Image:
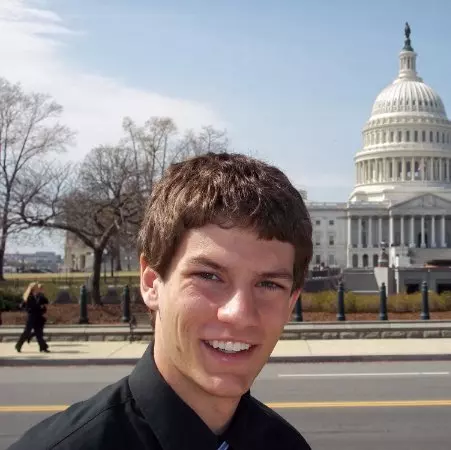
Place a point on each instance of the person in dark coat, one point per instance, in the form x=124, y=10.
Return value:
x=35, y=317
x=42, y=301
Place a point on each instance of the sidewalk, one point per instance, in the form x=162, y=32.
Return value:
x=115, y=353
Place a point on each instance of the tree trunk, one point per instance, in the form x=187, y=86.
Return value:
x=2, y=259
x=97, y=269
x=117, y=254
x=112, y=258
x=4, y=236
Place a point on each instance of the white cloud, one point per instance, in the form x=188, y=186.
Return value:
x=31, y=52
x=32, y=42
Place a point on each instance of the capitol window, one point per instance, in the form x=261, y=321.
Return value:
x=392, y=136
x=399, y=136
x=423, y=136
x=407, y=136
x=317, y=238
x=415, y=136
x=431, y=136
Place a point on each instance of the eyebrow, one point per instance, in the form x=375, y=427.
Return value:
x=280, y=274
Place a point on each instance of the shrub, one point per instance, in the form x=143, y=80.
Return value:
x=10, y=299
x=326, y=301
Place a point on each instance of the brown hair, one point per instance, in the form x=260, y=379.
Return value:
x=229, y=190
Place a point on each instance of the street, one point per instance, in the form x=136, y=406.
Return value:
x=354, y=406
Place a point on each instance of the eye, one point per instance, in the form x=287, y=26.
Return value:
x=207, y=276
x=271, y=285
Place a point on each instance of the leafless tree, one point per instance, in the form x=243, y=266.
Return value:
x=29, y=134
x=92, y=205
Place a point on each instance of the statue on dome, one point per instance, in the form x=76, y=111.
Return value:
x=407, y=30
x=407, y=44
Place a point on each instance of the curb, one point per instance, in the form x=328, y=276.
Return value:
x=13, y=362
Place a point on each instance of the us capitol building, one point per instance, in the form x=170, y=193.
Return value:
x=402, y=193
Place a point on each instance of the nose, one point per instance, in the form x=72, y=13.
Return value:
x=239, y=310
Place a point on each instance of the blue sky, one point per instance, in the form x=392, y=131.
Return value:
x=292, y=81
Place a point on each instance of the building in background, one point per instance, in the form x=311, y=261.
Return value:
x=402, y=192
x=33, y=262
x=80, y=258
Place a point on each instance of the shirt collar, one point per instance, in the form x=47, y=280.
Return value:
x=174, y=423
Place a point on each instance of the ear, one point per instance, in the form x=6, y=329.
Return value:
x=149, y=280
x=293, y=299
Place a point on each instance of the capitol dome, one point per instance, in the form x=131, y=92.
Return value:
x=408, y=96
x=406, y=141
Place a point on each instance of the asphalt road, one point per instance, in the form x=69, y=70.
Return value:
x=400, y=406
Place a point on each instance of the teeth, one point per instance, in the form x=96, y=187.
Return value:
x=229, y=346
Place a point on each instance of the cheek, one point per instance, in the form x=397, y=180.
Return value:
x=190, y=306
x=274, y=311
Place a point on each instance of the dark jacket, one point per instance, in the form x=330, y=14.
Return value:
x=142, y=412
x=35, y=308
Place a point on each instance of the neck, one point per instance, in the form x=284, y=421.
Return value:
x=216, y=412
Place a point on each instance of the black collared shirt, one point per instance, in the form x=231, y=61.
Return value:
x=142, y=412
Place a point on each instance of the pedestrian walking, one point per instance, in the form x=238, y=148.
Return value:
x=32, y=298
x=225, y=244
x=42, y=302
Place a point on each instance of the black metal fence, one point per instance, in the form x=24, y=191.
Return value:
x=383, y=311
x=297, y=313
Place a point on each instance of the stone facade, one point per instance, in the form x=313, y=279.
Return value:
x=79, y=258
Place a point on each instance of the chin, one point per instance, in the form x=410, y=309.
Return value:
x=227, y=385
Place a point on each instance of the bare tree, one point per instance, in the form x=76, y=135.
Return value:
x=29, y=132
x=93, y=205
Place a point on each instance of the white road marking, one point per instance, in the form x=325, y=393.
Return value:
x=361, y=374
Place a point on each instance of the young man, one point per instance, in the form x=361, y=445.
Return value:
x=224, y=244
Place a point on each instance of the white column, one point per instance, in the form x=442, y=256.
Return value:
x=422, y=170
x=403, y=169
x=393, y=169
x=447, y=170
x=385, y=169
x=380, y=230
x=431, y=169
x=359, y=239
x=443, y=233
x=349, y=246
x=412, y=169
x=412, y=230
x=349, y=231
x=402, y=231
x=370, y=232
x=433, y=244
x=392, y=230
x=423, y=243
x=441, y=168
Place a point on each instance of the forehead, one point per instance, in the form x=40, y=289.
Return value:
x=235, y=245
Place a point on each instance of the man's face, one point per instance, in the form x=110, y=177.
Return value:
x=222, y=307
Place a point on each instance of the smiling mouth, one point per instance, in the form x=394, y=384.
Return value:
x=229, y=346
